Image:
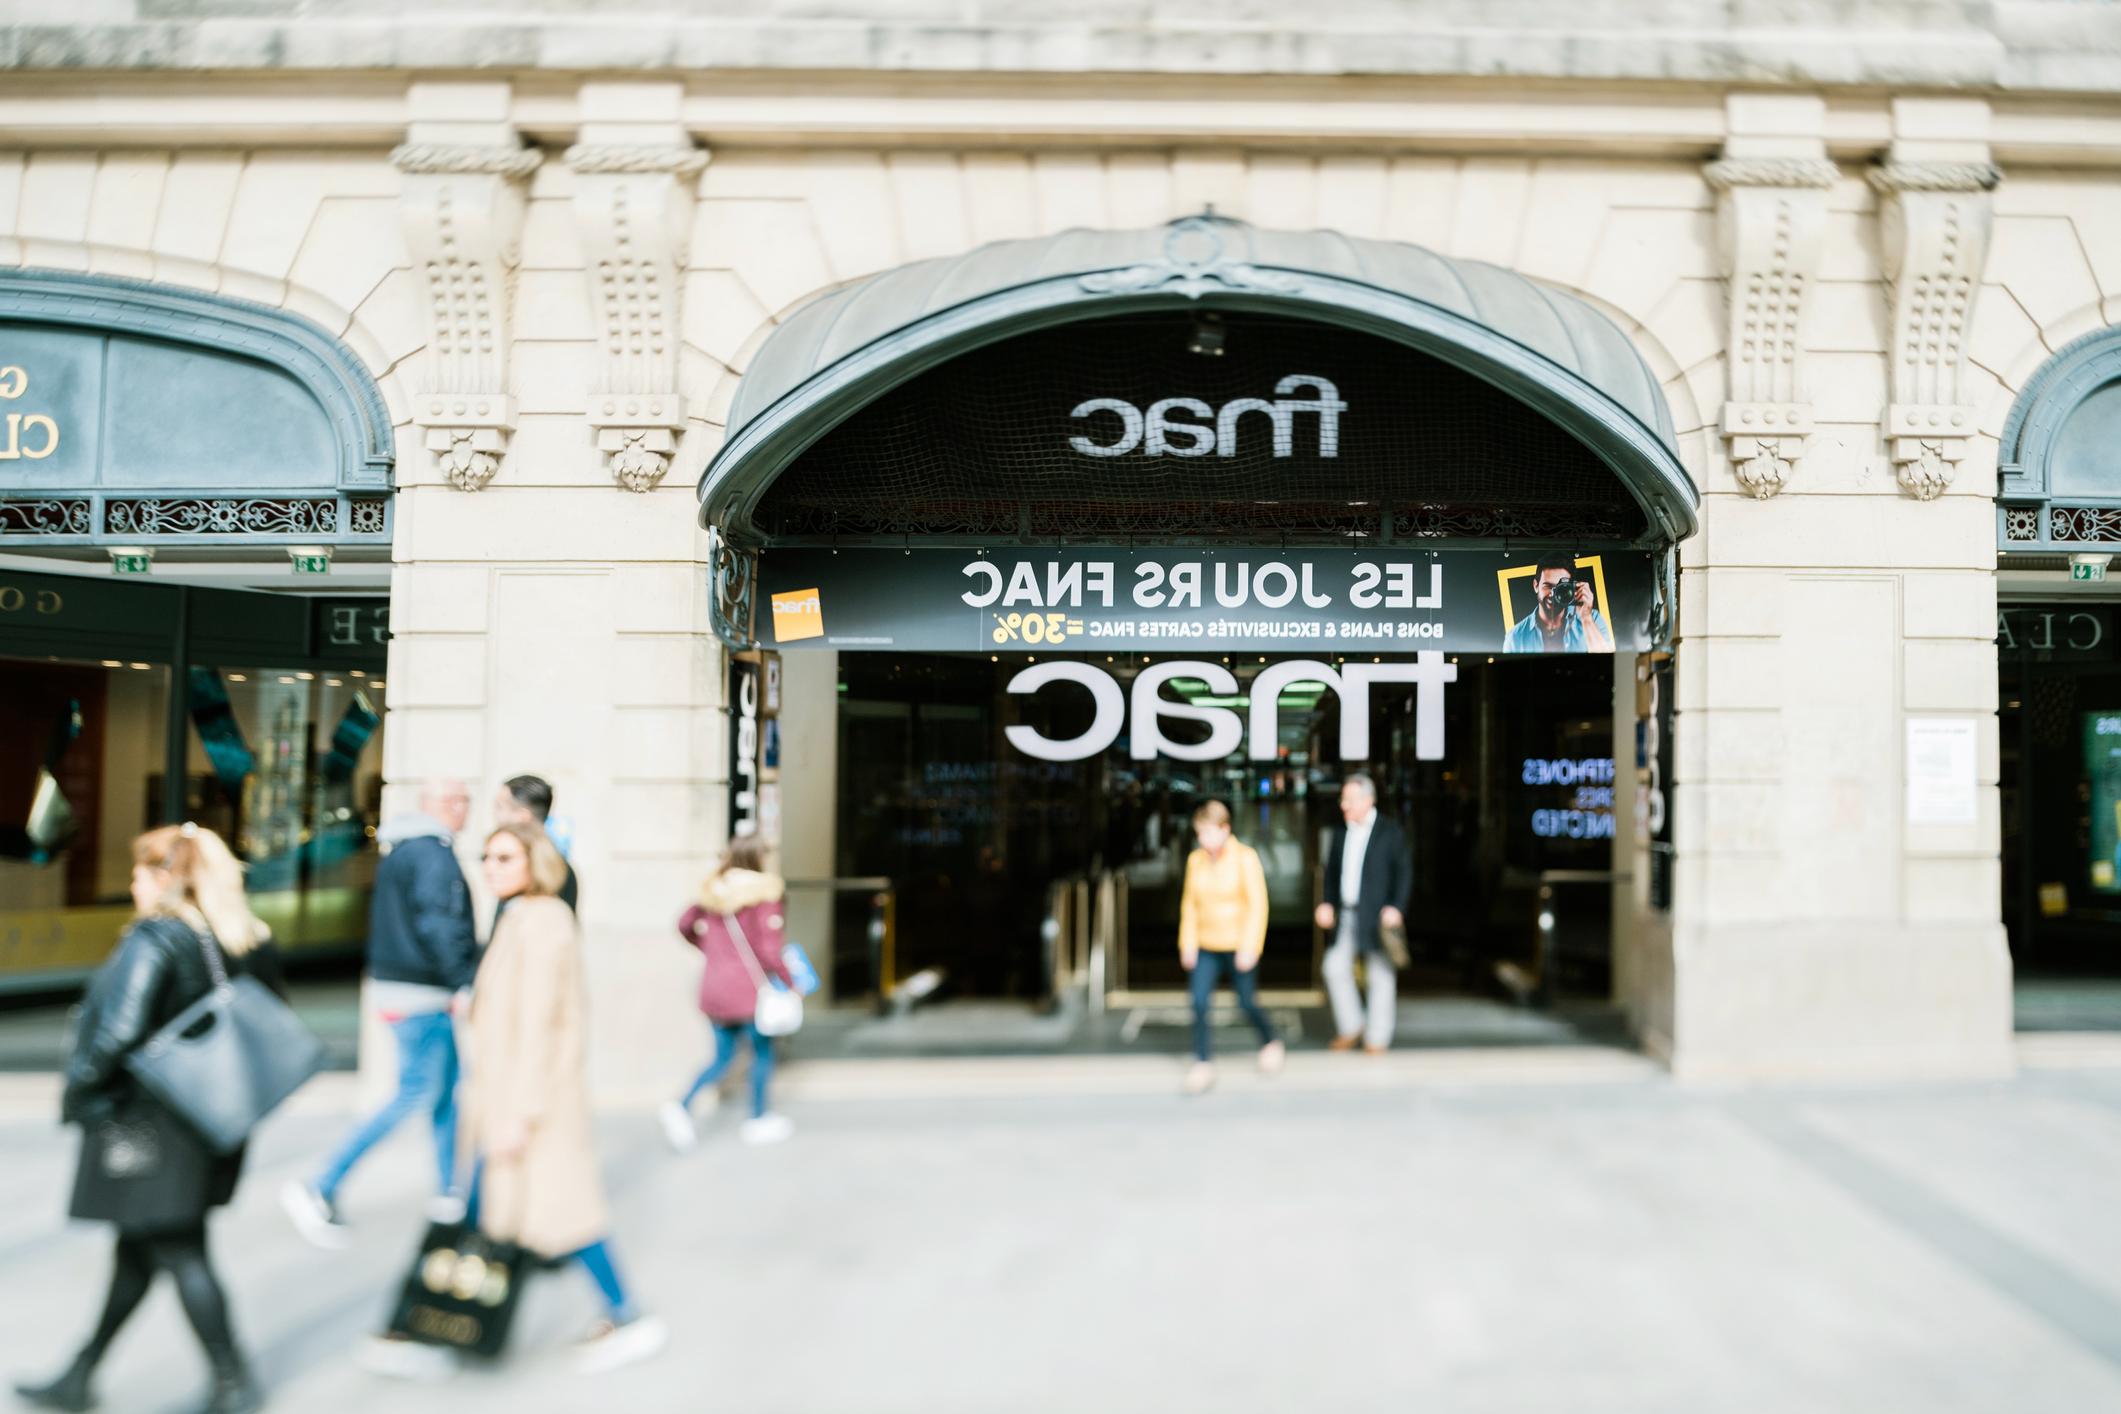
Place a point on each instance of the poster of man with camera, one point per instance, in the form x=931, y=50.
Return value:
x=1565, y=617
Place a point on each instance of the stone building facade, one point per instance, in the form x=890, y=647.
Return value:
x=555, y=239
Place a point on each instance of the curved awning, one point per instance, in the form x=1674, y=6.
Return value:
x=1550, y=351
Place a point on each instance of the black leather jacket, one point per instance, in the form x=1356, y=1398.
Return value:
x=157, y=970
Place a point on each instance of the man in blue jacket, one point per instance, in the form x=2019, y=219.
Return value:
x=422, y=951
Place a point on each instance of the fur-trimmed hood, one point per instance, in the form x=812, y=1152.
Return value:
x=733, y=890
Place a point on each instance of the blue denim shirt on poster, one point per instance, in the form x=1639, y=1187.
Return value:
x=1527, y=637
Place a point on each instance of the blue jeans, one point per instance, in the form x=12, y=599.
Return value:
x=1207, y=973
x=427, y=1080
x=596, y=1258
x=725, y=1039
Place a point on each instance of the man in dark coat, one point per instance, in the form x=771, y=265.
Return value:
x=1369, y=883
x=422, y=951
x=527, y=800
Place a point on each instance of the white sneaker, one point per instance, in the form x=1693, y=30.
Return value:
x=403, y=1359
x=313, y=1217
x=766, y=1129
x=1271, y=1057
x=445, y=1208
x=678, y=1130
x=607, y=1346
x=1200, y=1077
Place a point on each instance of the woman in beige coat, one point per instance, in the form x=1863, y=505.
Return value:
x=525, y=1113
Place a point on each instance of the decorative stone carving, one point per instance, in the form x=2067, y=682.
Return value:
x=625, y=158
x=462, y=210
x=1813, y=173
x=442, y=159
x=1195, y=262
x=468, y=453
x=634, y=206
x=1934, y=222
x=1770, y=213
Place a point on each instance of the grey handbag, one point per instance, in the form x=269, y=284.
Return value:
x=225, y=1061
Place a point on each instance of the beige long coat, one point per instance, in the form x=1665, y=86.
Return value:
x=525, y=1064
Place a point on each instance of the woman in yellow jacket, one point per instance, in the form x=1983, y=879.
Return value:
x=1222, y=922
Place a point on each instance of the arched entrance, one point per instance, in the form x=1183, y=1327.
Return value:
x=1105, y=523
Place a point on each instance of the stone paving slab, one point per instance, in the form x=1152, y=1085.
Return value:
x=1601, y=1242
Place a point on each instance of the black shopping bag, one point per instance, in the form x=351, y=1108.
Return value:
x=462, y=1290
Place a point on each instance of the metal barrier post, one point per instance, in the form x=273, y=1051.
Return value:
x=1054, y=938
x=1547, y=952
x=1100, y=946
x=1079, y=920
x=884, y=922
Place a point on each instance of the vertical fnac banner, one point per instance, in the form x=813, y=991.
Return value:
x=754, y=700
x=1654, y=682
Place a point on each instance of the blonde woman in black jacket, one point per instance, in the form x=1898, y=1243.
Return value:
x=143, y=1169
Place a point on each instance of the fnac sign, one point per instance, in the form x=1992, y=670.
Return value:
x=1161, y=432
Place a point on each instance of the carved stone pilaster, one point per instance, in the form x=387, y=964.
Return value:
x=1934, y=220
x=634, y=205
x=462, y=211
x=1770, y=213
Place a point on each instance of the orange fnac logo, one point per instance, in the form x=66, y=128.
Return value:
x=797, y=614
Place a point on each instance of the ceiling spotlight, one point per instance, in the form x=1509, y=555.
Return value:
x=1208, y=335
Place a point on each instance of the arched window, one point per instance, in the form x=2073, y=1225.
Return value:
x=136, y=413
x=2059, y=468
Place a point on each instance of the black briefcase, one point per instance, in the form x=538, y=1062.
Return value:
x=462, y=1290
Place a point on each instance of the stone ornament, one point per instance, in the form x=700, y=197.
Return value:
x=462, y=212
x=1770, y=216
x=607, y=158
x=1935, y=176
x=469, y=438
x=634, y=207
x=1935, y=219
x=455, y=160
x=1195, y=261
x=1802, y=173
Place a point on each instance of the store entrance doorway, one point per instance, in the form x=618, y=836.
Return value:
x=973, y=831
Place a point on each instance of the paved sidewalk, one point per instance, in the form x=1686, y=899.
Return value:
x=1560, y=1230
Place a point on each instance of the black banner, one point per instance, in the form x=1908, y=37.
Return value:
x=1090, y=600
x=744, y=685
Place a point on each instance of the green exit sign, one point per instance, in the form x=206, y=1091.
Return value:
x=2088, y=570
x=312, y=564
x=130, y=564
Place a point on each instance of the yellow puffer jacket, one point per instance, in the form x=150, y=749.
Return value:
x=1224, y=905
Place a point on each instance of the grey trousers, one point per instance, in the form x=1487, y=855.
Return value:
x=1348, y=1014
